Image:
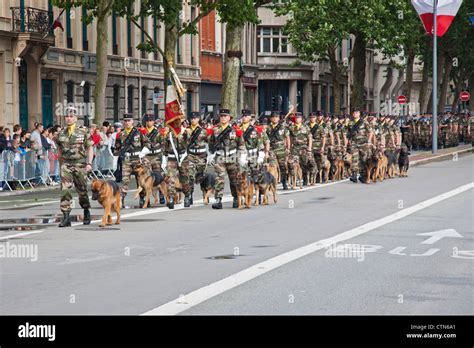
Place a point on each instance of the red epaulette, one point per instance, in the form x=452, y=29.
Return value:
x=143, y=131
x=210, y=131
x=238, y=131
x=259, y=129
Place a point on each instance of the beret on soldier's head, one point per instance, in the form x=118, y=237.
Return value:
x=70, y=110
x=246, y=112
x=275, y=113
x=299, y=114
x=195, y=114
x=312, y=114
x=224, y=112
x=127, y=117
x=149, y=117
x=355, y=109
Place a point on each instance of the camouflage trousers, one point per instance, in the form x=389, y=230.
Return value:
x=154, y=164
x=360, y=154
x=176, y=172
x=280, y=156
x=127, y=166
x=73, y=174
x=232, y=170
x=196, y=166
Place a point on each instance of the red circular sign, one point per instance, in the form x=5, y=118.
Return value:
x=402, y=99
x=464, y=96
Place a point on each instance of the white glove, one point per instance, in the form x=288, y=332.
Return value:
x=261, y=157
x=243, y=159
x=210, y=158
x=164, y=163
x=145, y=151
x=182, y=158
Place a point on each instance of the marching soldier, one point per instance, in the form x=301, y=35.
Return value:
x=280, y=144
x=360, y=135
x=226, y=144
x=74, y=146
x=320, y=135
x=340, y=137
x=157, y=138
x=197, y=154
x=253, y=144
x=132, y=145
x=302, y=144
x=175, y=153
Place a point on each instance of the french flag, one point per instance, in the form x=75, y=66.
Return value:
x=173, y=111
x=446, y=11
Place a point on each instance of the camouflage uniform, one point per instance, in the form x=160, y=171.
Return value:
x=318, y=131
x=195, y=161
x=72, y=171
x=254, y=145
x=157, y=140
x=227, y=152
x=177, y=166
x=128, y=144
x=425, y=137
x=301, y=137
x=339, y=132
x=277, y=135
x=359, y=137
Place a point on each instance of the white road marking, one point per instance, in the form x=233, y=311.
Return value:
x=21, y=234
x=430, y=252
x=205, y=293
x=438, y=235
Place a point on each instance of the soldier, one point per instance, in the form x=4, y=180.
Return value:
x=280, y=144
x=226, y=144
x=175, y=153
x=302, y=145
x=340, y=137
x=74, y=146
x=197, y=154
x=320, y=135
x=253, y=144
x=132, y=145
x=157, y=138
x=360, y=136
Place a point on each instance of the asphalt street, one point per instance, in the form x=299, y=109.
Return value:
x=157, y=256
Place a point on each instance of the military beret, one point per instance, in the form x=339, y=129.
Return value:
x=275, y=113
x=195, y=114
x=224, y=112
x=342, y=117
x=312, y=114
x=149, y=117
x=299, y=114
x=127, y=117
x=246, y=112
x=355, y=109
x=70, y=110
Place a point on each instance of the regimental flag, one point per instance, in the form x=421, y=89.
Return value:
x=173, y=111
x=446, y=11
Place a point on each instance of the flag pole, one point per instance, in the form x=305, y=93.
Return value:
x=434, y=130
x=52, y=23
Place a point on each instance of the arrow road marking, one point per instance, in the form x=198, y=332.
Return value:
x=397, y=251
x=438, y=235
x=430, y=252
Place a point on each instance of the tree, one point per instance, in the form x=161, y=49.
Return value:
x=100, y=10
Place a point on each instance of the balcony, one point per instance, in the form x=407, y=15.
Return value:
x=31, y=20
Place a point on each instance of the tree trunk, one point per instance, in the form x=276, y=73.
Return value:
x=359, y=51
x=444, y=85
x=409, y=77
x=441, y=63
x=424, y=86
x=171, y=38
x=102, y=64
x=335, y=74
x=230, y=78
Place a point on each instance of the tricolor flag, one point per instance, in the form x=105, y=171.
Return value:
x=57, y=24
x=173, y=111
x=446, y=11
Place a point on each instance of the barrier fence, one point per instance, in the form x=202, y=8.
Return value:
x=27, y=170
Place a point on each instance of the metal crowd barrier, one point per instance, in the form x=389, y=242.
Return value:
x=26, y=170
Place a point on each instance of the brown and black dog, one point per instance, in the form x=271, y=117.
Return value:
x=265, y=183
x=244, y=188
x=347, y=158
x=324, y=170
x=207, y=186
x=150, y=183
x=295, y=172
x=403, y=161
x=107, y=193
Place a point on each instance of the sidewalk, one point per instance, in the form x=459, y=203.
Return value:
x=415, y=159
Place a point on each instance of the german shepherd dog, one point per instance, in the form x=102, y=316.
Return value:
x=347, y=158
x=374, y=166
x=151, y=183
x=265, y=182
x=403, y=162
x=392, y=162
x=244, y=189
x=295, y=172
x=325, y=169
x=274, y=169
x=337, y=164
x=383, y=167
x=107, y=193
x=207, y=186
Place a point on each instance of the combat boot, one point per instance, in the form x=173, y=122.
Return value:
x=305, y=181
x=283, y=182
x=187, y=201
x=162, y=198
x=66, y=222
x=191, y=198
x=87, y=217
x=353, y=178
x=141, y=202
x=235, y=203
x=362, y=179
x=218, y=204
x=123, y=203
x=171, y=202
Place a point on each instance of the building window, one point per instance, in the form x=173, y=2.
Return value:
x=272, y=40
x=156, y=106
x=70, y=91
x=68, y=29
x=129, y=38
x=193, y=14
x=87, y=100
x=155, y=37
x=114, y=34
x=130, y=99
x=116, y=102
x=178, y=46
x=142, y=23
x=144, y=100
x=85, y=42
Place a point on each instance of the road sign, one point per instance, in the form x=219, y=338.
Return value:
x=402, y=99
x=465, y=96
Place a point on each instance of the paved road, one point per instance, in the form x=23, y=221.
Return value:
x=157, y=255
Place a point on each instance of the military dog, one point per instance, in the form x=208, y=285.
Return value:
x=274, y=169
x=392, y=162
x=151, y=183
x=383, y=167
x=347, y=158
x=107, y=193
x=403, y=162
x=265, y=182
x=207, y=186
x=295, y=172
x=324, y=170
x=244, y=188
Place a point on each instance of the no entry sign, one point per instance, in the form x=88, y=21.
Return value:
x=402, y=99
x=465, y=96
